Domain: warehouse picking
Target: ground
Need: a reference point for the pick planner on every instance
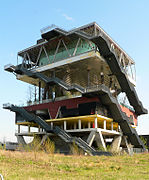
(39, 165)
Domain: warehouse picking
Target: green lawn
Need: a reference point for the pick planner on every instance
(38, 165)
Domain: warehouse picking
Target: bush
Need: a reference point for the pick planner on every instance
(75, 150)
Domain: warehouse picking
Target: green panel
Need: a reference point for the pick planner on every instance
(83, 47)
(43, 59)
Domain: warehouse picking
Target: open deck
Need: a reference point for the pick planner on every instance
(77, 124)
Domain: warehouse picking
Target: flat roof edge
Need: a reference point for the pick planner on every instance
(58, 29)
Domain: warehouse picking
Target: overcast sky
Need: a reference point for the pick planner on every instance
(127, 22)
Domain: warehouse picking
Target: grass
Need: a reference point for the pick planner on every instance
(24, 165)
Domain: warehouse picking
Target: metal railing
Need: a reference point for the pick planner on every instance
(48, 28)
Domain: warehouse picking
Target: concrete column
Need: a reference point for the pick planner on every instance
(29, 128)
(104, 124)
(111, 126)
(100, 141)
(115, 146)
(51, 125)
(118, 129)
(95, 122)
(38, 128)
(79, 124)
(21, 140)
(91, 138)
(65, 125)
(89, 125)
(19, 129)
(75, 125)
(129, 146)
(43, 139)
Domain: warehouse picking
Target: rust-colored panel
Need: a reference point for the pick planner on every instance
(53, 107)
(130, 113)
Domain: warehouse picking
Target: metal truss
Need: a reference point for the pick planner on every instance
(30, 63)
(93, 30)
(124, 61)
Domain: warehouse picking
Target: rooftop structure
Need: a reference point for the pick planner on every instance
(84, 80)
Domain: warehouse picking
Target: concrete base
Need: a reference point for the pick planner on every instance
(115, 146)
(129, 147)
(100, 141)
(98, 138)
(21, 140)
(95, 138)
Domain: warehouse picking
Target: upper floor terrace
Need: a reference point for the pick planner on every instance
(59, 47)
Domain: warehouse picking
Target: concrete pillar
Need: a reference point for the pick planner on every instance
(38, 128)
(100, 141)
(89, 125)
(29, 128)
(51, 125)
(21, 140)
(95, 122)
(75, 125)
(91, 138)
(61, 126)
(43, 139)
(104, 124)
(65, 125)
(19, 128)
(111, 126)
(79, 124)
(128, 146)
(119, 129)
(115, 146)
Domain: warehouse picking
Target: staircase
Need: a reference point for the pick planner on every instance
(78, 141)
(56, 130)
(111, 102)
(47, 80)
(104, 46)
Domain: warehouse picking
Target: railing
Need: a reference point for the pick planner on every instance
(80, 123)
(48, 28)
(6, 105)
(74, 124)
(7, 66)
